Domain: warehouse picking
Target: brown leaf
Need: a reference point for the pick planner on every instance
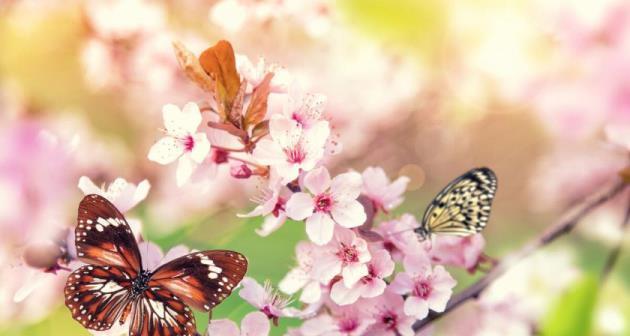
(625, 174)
(257, 108)
(236, 111)
(260, 130)
(191, 67)
(218, 61)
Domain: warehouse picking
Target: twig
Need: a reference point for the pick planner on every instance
(616, 251)
(564, 225)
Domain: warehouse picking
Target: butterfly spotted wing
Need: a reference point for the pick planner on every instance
(463, 207)
(202, 279)
(104, 238)
(113, 287)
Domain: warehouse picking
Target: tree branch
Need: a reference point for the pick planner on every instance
(564, 225)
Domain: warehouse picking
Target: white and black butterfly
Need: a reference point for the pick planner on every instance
(463, 207)
(113, 287)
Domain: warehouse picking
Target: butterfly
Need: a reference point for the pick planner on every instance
(114, 288)
(463, 207)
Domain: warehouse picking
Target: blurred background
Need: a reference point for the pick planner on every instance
(537, 90)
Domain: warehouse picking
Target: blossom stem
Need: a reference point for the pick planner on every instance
(562, 226)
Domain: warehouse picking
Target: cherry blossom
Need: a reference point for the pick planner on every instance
(457, 251)
(332, 201)
(389, 316)
(122, 194)
(346, 255)
(272, 203)
(302, 277)
(398, 236)
(254, 74)
(307, 109)
(266, 299)
(426, 287)
(181, 141)
(344, 321)
(385, 195)
(253, 324)
(292, 149)
(371, 285)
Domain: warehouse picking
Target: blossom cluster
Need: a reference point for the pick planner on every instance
(257, 121)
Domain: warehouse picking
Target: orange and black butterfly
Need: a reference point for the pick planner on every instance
(114, 288)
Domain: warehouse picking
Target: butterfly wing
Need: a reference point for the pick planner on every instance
(159, 312)
(104, 238)
(98, 295)
(463, 207)
(202, 279)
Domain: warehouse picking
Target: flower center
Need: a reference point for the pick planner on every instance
(348, 254)
(389, 319)
(279, 207)
(323, 203)
(348, 325)
(189, 143)
(295, 154)
(422, 289)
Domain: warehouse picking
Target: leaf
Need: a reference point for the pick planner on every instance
(257, 109)
(236, 111)
(218, 61)
(261, 129)
(191, 67)
(572, 314)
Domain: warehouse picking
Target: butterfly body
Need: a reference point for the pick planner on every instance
(114, 287)
(463, 207)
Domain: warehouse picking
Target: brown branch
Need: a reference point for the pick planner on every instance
(564, 225)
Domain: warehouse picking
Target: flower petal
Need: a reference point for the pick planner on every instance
(201, 147)
(269, 153)
(185, 169)
(352, 273)
(284, 131)
(416, 307)
(320, 228)
(254, 324)
(343, 295)
(349, 215)
(271, 224)
(300, 206)
(347, 186)
(179, 123)
(317, 181)
(166, 150)
(252, 292)
(223, 327)
(87, 186)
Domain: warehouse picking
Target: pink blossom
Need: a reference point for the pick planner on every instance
(272, 203)
(181, 141)
(385, 195)
(346, 255)
(253, 324)
(426, 288)
(266, 299)
(344, 321)
(371, 285)
(292, 149)
(389, 316)
(307, 109)
(122, 194)
(457, 251)
(254, 74)
(302, 277)
(333, 201)
(116, 19)
(398, 236)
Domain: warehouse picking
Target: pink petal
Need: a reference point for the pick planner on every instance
(284, 131)
(417, 264)
(311, 293)
(402, 284)
(201, 147)
(352, 273)
(416, 307)
(374, 288)
(349, 215)
(293, 281)
(269, 153)
(185, 168)
(300, 206)
(315, 138)
(87, 186)
(166, 150)
(271, 224)
(319, 228)
(317, 181)
(346, 187)
(223, 327)
(252, 292)
(254, 324)
(443, 279)
(438, 299)
(183, 122)
(343, 295)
